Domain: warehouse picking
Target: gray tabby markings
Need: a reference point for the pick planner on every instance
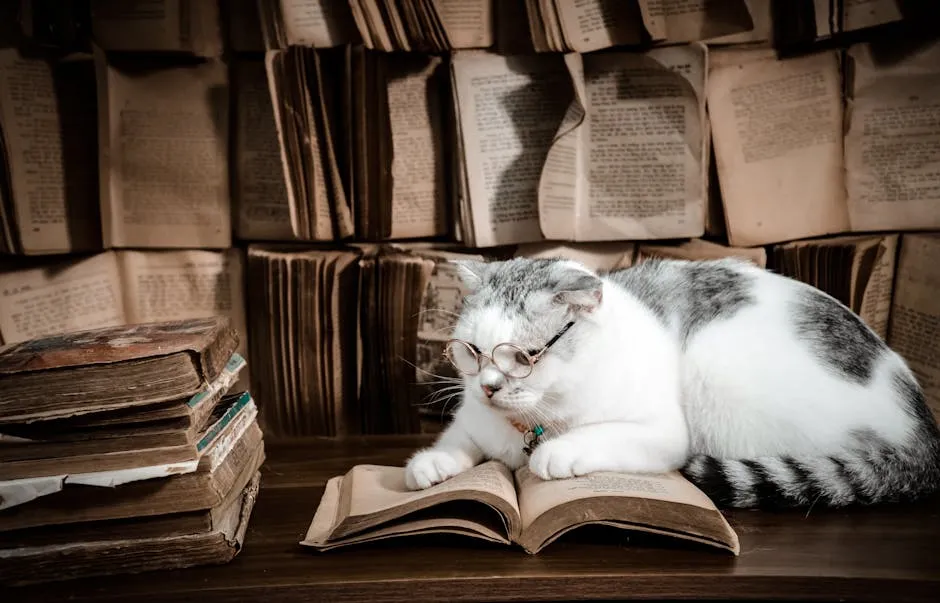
(837, 336)
(689, 295)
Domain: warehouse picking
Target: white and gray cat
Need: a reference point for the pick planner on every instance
(762, 390)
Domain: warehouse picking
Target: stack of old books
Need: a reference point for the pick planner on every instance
(125, 449)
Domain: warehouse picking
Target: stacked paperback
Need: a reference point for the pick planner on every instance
(125, 449)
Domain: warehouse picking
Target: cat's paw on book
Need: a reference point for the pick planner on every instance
(430, 467)
(559, 459)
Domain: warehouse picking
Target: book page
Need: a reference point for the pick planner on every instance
(47, 116)
(772, 119)
(563, 181)
(536, 496)
(157, 25)
(263, 212)
(644, 145)
(892, 147)
(374, 488)
(165, 156)
(590, 25)
(57, 298)
(415, 107)
(875, 307)
(509, 111)
(856, 14)
(318, 23)
(468, 23)
(699, 249)
(915, 312)
(677, 21)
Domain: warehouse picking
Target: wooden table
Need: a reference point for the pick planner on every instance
(886, 554)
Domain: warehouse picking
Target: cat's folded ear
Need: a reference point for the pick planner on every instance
(471, 272)
(581, 291)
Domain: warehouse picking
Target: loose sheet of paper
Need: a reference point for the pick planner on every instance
(892, 147)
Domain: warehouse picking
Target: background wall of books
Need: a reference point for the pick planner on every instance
(308, 166)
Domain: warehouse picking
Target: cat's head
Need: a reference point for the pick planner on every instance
(527, 303)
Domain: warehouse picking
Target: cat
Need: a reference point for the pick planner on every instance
(762, 390)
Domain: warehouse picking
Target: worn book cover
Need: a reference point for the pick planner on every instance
(215, 538)
(112, 367)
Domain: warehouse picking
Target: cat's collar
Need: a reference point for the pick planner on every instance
(530, 435)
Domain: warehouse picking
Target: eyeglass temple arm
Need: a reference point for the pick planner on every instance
(552, 341)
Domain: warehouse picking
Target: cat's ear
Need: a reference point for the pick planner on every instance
(581, 291)
(470, 272)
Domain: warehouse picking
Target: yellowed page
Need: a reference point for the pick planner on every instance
(166, 162)
(158, 25)
(678, 21)
(915, 311)
(644, 149)
(536, 496)
(418, 167)
(876, 300)
(856, 14)
(602, 257)
(699, 249)
(375, 488)
(509, 111)
(563, 181)
(317, 23)
(263, 212)
(777, 132)
(892, 147)
(761, 30)
(590, 25)
(327, 516)
(46, 112)
(469, 23)
(178, 285)
(68, 296)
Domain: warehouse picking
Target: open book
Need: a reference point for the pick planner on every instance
(914, 327)
(163, 149)
(489, 502)
(863, 164)
(589, 25)
(629, 161)
(48, 155)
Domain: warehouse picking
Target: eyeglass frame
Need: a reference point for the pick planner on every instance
(479, 355)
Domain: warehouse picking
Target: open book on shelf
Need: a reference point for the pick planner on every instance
(489, 502)
(861, 159)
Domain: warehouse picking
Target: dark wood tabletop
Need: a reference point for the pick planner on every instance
(882, 554)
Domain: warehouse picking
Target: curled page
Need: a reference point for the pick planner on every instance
(634, 167)
(509, 109)
(561, 183)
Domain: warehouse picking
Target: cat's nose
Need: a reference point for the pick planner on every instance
(489, 390)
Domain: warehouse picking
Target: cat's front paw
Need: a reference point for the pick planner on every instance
(558, 459)
(430, 467)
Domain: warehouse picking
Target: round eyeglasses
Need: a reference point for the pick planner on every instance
(508, 358)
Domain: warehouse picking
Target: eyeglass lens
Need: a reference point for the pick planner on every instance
(510, 359)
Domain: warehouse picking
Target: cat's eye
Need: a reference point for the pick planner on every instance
(523, 357)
